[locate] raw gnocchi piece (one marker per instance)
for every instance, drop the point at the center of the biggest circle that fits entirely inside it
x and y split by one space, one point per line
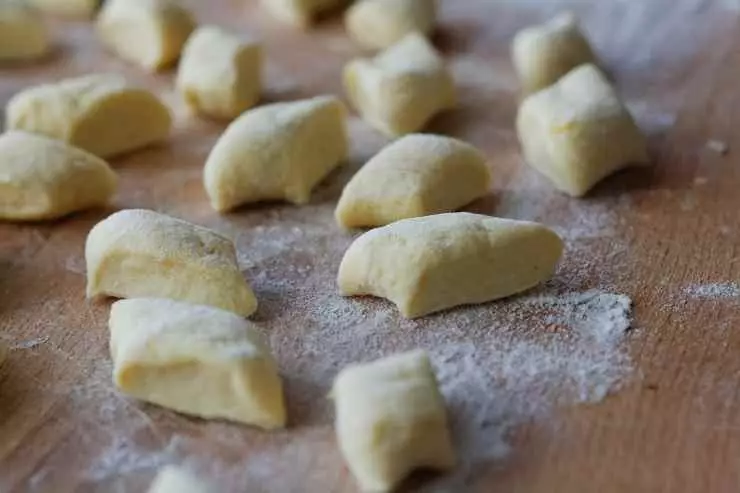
72 8
300 13
171 479
41 178
432 263
577 131
219 74
391 419
140 253
542 54
23 34
378 24
278 151
401 89
149 33
100 113
417 175
196 360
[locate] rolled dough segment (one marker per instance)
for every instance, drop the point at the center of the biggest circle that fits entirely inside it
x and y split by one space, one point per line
378 24
577 131
42 179
100 113
432 263
23 35
391 419
140 253
300 13
196 360
71 8
172 479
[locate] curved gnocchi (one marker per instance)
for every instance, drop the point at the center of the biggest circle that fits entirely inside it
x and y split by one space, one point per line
300 13
278 151
140 253
432 263
100 113
401 89
23 34
378 24
417 175
41 178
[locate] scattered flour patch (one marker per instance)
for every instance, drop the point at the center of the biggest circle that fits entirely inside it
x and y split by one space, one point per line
713 291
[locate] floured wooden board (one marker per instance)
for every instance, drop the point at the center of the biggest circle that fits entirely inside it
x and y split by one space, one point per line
548 392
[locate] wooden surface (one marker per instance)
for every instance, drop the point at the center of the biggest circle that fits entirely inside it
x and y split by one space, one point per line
674 426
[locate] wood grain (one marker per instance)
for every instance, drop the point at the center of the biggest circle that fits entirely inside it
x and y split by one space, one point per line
674 427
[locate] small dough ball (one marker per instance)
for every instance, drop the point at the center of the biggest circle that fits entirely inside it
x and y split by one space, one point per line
401 89
577 131
100 113
71 8
417 175
23 34
219 74
149 33
300 13
276 152
41 178
432 263
378 24
172 479
543 54
140 253
391 419
196 360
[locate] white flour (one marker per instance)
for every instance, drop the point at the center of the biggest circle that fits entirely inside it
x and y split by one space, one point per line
712 291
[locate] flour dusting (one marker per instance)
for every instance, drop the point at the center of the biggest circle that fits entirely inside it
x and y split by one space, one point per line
712 291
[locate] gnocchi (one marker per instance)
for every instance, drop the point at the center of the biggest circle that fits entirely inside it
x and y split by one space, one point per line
300 13
72 8
23 35
378 24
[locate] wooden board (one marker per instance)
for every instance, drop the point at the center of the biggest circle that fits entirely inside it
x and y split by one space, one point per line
665 236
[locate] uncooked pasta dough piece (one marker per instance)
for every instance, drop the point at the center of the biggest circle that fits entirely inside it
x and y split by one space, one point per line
99 113
417 175
391 419
299 12
196 360
219 74
401 89
41 178
381 23
73 8
139 253
172 479
577 131
274 152
23 35
543 54
150 33
432 263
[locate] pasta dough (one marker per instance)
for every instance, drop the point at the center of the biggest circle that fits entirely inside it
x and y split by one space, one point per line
577 131
432 263
99 113
139 253
417 175
299 12
73 8
41 178
171 479
149 33
391 419
23 35
543 54
196 360
401 89
219 74
378 24
278 151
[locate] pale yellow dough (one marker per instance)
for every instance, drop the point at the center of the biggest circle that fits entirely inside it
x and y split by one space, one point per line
577 131
542 54
417 175
276 152
72 8
391 419
402 88
100 113
432 263
300 13
23 35
139 253
172 479
219 74
149 33
41 178
196 360
378 24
